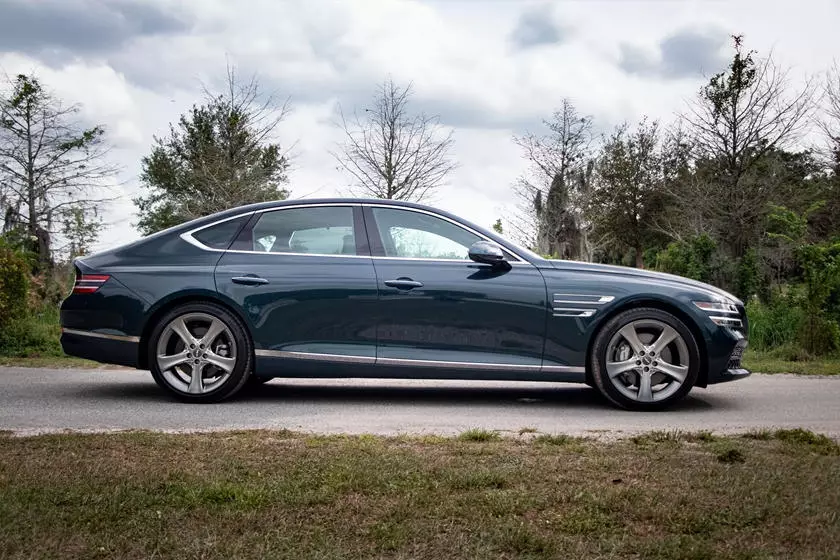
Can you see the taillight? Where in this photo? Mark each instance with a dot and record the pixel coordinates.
(89, 283)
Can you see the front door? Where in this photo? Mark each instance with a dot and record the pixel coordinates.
(438, 308)
(305, 280)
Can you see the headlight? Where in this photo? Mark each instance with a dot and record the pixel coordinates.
(720, 312)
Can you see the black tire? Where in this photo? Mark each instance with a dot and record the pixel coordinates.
(598, 359)
(241, 371)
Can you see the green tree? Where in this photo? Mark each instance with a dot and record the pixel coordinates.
(51, 167)
(497, 227)
(219, 155)
(627, 193)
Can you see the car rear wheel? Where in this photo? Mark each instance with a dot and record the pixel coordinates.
(645, 359)
(200, 352)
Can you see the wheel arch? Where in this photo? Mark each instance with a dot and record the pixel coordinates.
(662, 305)
(163, 307)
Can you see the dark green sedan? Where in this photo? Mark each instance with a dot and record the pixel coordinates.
(375, 288)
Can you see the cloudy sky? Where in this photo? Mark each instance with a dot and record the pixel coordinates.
(490, 69)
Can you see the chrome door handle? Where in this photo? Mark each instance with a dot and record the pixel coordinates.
(249, 280)
(403, 283)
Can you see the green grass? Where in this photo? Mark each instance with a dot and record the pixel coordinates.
(769, 362)
(283, 495)
(477, 434)
(51, 362)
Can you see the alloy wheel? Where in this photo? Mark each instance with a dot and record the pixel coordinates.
(196, 353)
(647, 360)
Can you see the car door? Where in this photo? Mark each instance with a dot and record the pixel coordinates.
(304, 278)
(438, 308)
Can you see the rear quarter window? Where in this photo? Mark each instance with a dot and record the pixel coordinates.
(221, 235)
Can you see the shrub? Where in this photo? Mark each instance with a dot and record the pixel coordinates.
(14, 285)
(692, 258)
(819, 334)
(776, 325)
(36, 334)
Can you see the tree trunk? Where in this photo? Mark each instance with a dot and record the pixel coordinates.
(640, 263)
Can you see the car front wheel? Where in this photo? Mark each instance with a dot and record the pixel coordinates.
(644, 359)
(200, 353)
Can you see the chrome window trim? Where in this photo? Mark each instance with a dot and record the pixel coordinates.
(121, 338)
(483, 237)
(414, 362)
(188, 235)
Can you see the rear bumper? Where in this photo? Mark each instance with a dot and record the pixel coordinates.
(101, 347)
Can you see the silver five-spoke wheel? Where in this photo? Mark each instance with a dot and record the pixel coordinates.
(196, 353)
(647, 360)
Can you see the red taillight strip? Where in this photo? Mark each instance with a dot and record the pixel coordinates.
(89, 283)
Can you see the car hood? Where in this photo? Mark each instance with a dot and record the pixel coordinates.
(640, 273)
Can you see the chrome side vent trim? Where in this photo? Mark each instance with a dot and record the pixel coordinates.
(582, 299)
(579, 305)
(569, 312)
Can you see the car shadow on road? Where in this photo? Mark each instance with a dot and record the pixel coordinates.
(565, 395)
(281, 391)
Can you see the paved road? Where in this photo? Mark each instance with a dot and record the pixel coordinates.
(47, 400)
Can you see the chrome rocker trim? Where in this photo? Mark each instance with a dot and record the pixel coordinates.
(417, 363)
(121, 338)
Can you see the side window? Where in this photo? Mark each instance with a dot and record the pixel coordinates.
(220, 235)
(412, 234)
(321, 230)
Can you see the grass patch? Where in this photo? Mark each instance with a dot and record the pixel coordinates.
(62, 361)
(770, 362)
(659, 436)
(818, 443)
(798, 440)
(731, 455)
(274, 494)
(477, 434)
(557, 439)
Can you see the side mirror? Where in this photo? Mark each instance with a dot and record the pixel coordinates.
(486, 252)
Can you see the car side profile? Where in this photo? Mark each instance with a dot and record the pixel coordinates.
(386, 289)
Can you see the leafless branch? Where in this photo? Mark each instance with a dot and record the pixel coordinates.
(392, 154)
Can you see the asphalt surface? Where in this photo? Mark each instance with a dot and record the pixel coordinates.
(48, 400)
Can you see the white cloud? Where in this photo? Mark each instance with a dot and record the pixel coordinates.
(458, 53)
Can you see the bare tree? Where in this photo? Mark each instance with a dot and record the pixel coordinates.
(52, 169)
(551, 193)
(739, 117)
(830, 121)
(391, 153)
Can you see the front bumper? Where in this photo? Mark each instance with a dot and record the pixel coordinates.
(733, 371)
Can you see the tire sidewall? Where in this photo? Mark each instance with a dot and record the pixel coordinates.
(241, 371)
(599, 351)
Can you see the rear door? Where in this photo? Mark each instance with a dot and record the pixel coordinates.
(305, 281)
